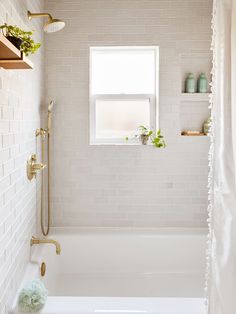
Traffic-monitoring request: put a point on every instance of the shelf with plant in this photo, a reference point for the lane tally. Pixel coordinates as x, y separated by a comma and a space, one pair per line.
16, 44
203, 132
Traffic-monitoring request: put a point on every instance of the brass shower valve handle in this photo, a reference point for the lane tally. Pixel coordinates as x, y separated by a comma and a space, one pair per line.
33, 167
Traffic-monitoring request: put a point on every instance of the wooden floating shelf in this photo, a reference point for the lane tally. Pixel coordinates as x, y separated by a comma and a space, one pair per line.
192, 133
186, 133
21, 63
204, 97
11, 57
196, 135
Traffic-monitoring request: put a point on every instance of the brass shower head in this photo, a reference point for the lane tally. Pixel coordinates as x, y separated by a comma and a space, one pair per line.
52, 25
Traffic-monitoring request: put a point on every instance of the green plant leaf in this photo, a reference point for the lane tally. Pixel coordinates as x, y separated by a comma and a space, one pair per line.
28, 45
158, 140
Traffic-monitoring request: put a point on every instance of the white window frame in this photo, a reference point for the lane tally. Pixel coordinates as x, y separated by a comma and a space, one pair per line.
153, 98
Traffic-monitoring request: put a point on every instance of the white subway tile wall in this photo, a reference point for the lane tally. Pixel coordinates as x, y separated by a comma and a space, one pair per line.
126, 186
21, 94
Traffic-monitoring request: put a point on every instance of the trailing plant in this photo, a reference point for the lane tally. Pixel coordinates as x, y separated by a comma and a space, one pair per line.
144, 134
28, 45
158, 140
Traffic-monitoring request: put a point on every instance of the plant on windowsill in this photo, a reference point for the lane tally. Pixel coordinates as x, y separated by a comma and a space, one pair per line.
144, 135
21, 39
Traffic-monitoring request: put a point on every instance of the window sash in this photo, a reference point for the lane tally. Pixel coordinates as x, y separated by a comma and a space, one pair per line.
106, 49
153, 115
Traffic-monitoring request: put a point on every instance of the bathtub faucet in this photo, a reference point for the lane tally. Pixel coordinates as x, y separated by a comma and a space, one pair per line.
45, 240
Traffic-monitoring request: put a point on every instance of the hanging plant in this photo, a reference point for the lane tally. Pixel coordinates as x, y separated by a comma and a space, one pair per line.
21, 39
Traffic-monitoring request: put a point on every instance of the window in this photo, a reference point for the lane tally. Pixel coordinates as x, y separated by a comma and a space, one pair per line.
123, 92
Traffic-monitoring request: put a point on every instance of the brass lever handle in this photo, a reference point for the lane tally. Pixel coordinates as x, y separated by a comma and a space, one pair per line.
37, 167
33, 167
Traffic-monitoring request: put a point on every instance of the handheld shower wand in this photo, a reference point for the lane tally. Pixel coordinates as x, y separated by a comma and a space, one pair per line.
45, 223
42, 131
50, 107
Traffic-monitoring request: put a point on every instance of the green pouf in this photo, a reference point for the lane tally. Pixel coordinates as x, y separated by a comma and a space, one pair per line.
33, 297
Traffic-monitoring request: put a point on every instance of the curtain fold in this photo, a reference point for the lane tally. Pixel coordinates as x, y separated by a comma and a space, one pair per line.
221, 276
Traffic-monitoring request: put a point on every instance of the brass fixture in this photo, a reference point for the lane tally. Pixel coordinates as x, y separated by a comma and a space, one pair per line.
50, 106
43, 132
52, 25
33, 167
43, 269
45, 240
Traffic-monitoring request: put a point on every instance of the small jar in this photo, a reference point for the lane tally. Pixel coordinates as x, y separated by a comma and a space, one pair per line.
144, 139
190, 84
202, 84
207, 126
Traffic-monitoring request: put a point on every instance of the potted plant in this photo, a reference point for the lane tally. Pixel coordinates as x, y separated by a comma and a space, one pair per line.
21, 39
144, 134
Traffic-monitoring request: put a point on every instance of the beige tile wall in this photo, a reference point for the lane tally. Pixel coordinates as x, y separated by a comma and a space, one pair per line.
127, 186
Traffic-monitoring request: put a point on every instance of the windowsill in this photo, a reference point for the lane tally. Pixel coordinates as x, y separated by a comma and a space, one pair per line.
118, 144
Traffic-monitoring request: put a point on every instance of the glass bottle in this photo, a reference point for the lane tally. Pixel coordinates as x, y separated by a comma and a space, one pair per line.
190, 84
202, 84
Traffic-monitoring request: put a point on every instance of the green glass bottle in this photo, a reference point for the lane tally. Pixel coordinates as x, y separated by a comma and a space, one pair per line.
190, 84
202, 84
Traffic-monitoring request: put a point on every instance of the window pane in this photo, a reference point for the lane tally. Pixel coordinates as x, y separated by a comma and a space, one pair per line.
120, 118
123, 71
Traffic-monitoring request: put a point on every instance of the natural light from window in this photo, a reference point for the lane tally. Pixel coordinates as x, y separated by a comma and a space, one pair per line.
120, 117
123, 92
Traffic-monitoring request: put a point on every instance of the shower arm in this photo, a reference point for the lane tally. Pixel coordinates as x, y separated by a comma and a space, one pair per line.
36, 15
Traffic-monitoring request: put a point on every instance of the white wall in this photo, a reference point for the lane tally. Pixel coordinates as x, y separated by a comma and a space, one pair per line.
21, 94
128, 185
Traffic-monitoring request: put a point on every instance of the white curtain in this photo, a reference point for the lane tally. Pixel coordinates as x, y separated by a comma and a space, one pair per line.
221, 273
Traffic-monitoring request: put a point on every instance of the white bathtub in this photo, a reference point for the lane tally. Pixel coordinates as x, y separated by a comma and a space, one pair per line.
120, 271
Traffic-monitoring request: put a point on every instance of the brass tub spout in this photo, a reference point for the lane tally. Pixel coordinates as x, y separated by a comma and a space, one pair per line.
45, 240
